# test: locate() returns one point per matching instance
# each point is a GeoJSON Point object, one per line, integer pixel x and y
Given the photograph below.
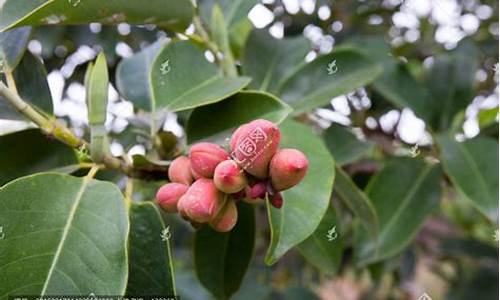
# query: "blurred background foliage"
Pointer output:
{"type": "Point", "coordinates": [439, 83]}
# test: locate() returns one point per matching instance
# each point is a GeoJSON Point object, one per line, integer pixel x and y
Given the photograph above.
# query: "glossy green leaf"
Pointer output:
{"type": "Point", "coordinates": [217, 121]}
{"type": "Point", "coordinates": [31, 83]}
{"type": "Point", "coordinates": [344, 146]}
{"type": "Point", "coordinates": [323, 249]}
{"type": "Point", "coordinates": [398, 86]}
{"type": "Point", "coordinates": [305, 204]}
{"type": "Point", "coordinates": [473, 169]}
{"type": "Point", "coordinates": [69, 233]}
{"type": "Point", "coordinates": [13, 44]}
{"type": "Point", "coordinates": [29, 151]}
{"type": "Point", "coordinates": [234, 11]}
{"type": "Point", "coordinates": [328, 76]}
{"type": "Point", "coordinates": [270, 61]}
{"type": "Point", "coordinates": [403, 193]}
{"type": "Point", "coordinates": [221, 259]}
{"type": "Point", "coordinates": [150, 262]}
{"type": "Point", "coordinates": [451, 82]}
{"type": "Point", "coordinates": [172, 14]}
{"type": "Point", "coordinates": [182, 78]}
{"type": "Point", "coordinates": [356, 200]}
{"type": "Point", "coordinates": [220, 36]}
{"type": "Point", "coordinates": [132, 76]}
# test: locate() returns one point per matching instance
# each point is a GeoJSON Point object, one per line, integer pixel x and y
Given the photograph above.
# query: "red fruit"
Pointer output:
{"type": "Point", "coordinates": [258, 190]}
{"type": "Point", "coordinates": [229, 178]}
{"type": "Point", "coordinates": [253, 145]}
{"type": "Point", "coordinates": [169, 194]}
{"type": "Point", "coordinates": [202, 202]}
{"type": "Point", "coordinates": [226, 220]}
{"type": "Point", "coordinates": [205, 157]}
{"type": "Point", "coordinates": [180, 171]}
{"type": "Point", "coordinates": [288, 167]}
{"type": "Point", "coordinates": [277, 200]}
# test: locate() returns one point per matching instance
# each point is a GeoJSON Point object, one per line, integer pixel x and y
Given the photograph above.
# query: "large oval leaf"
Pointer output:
{"type": "Point", "coordinates": [150, 262]}
{"type": "Point", "coordinates": [356, 200]}
{"type": "Point", "coordinates": [13, 45]}
{"type": "Point", "coordinates": [29, 151]}
{"type": "Point", "coordinates": [173, 14]}
{"type": "Point", "coordinates": [31, 84]}
{"type": "Point", "coordinates": [64, 235]}
{"type": "Point", "coordinates": [270, 61]}
{"type": "Point", "coordinates": [323, 249]}
{"type": "Point", "coordinates": [132, 76]}
{"type": "Point", "coordinates": [312, 86]}
{"type": "Point", "coordinates": [344, 146]}
{"type": "Point", "coordinates": [473, 169]}
{"type": "Point", "coordinates": [404, 193]}
{"type": "Point", "coordinates": [182, 78]}
{"type": "Point", "coordinates": [305, 204]}
{"type": "Point", "coordinates": [219, 119]}
{"type": "Point", "coordinates": [221, 259]}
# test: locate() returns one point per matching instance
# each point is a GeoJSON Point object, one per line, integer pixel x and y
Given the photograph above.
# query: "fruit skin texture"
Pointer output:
{"type": "Point", "coordinates": [227, 218]}
{"type": "Point", "coordinates": [253, 145]}
{"type": "Point", "coordinates": [228, 177]}
{"type": "Point", "coordinates": [169, 194]}
{"type": "Point", "coordinates": [205, 157]}
{"type": "Point", "coordinates": [202, 202]}
{"type": "Point", "coordinates": [180, 171]}
{"type": "Point", "coordinates": [287, 168]}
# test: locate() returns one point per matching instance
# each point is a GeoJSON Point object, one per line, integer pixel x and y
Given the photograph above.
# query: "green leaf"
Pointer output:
{"type": "Point", "coordinates": [31, 83]}
{"type": "Point", "coordinates": [398, 86]}
{"type": "Point", "coordinates": [323, 249]}
{"type": "Point", "coordinates": [234, 11]}
{"type": "Point", "coordinates": [29, 151]}
{"type": "Point", "coordinates": [451, 82]}
{"type": "Point", "coordinates": [221, 259]}
{"type": "Point", "coordinates": [150, 262]}
{"type": "Point", "coordinates": [220, 36]}
{"type": "Point", "coordinates": [312, 86]}
{"type": "Point", "coordinates": [96, 82]}
{"type": "Point", "coordinates": [403, 193]}
{"type": "Point", "coordinates": [13, 45]}
{"type": "Point", "coordinates": [271, 61]}
{"type": "Point", "coordinates": [132, 76]}
{"type": "Point", "coordinates": [305, 204]}
{"type": "Point", "coordinates": [344, 146]}
{"type": "Point", "coordinates": [356, 200]}
{"type": "Point", "coordinates": [70, 234]}
{"type": "Point", "coordinates": [182, 79]}
{"type": "Point", "coordinates": [172, 14]}
{"type": "Point", "coordinates": [473, 169]}
{"type": "Point", "coordinates": [218, 120]}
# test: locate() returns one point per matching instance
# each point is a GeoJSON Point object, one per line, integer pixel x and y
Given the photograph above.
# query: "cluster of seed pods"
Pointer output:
{"type": "Point", "coordinates": [205, 186]}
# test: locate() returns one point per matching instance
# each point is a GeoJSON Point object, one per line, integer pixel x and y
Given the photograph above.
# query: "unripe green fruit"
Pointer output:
{"type": "Point", "coordinates": [287, 168]}
{"type": "Point", "coordinates": [253, 145]}
{"type": "Point", "coordinates": [202, 201]}
{"type": "Point", "coordinates": [180, 171]}
{"type": "Point", "coordinates": [205, 157]}
{"type": "Point", "coordinates": [227, 218]}
{"type": "Point", "coordinates": [169, 194]}
{"type": "Point", "coordinates": [229, 178]}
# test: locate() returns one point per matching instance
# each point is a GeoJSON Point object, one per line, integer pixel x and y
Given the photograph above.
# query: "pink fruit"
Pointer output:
{"type": "Point", "coordinates": [288, 167]}
{"type": "Point", "coordinates": [180, 171]}
{"type": "Point", "coordinates": [226, 220]}
{"type": "Point", "coordinates": [205, 157]}
{"type": "Point", "coordinates": [202, 201]}
{"type": "Point", "coordinates": [169, 194]}
{"type": "Point", "coordinates": [229, 178]}
{"type": "Point", "coordinates": [257, 190]}
{"type": "Point", "coordinates": [277, 200]}
{"type": "Point", "coordinates": [253, 145]}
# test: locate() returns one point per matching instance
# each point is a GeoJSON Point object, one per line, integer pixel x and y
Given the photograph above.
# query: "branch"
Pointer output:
{"type": "Point", "coordinates": [53, 128]}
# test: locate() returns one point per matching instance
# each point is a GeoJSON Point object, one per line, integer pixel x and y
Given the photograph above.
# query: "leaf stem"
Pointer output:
{"type": "Point", "coordinates": [92, 172]}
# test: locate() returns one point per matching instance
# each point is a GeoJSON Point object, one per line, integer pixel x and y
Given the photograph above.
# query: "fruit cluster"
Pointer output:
{"type": "Point", "coordinates": [205, 185]}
